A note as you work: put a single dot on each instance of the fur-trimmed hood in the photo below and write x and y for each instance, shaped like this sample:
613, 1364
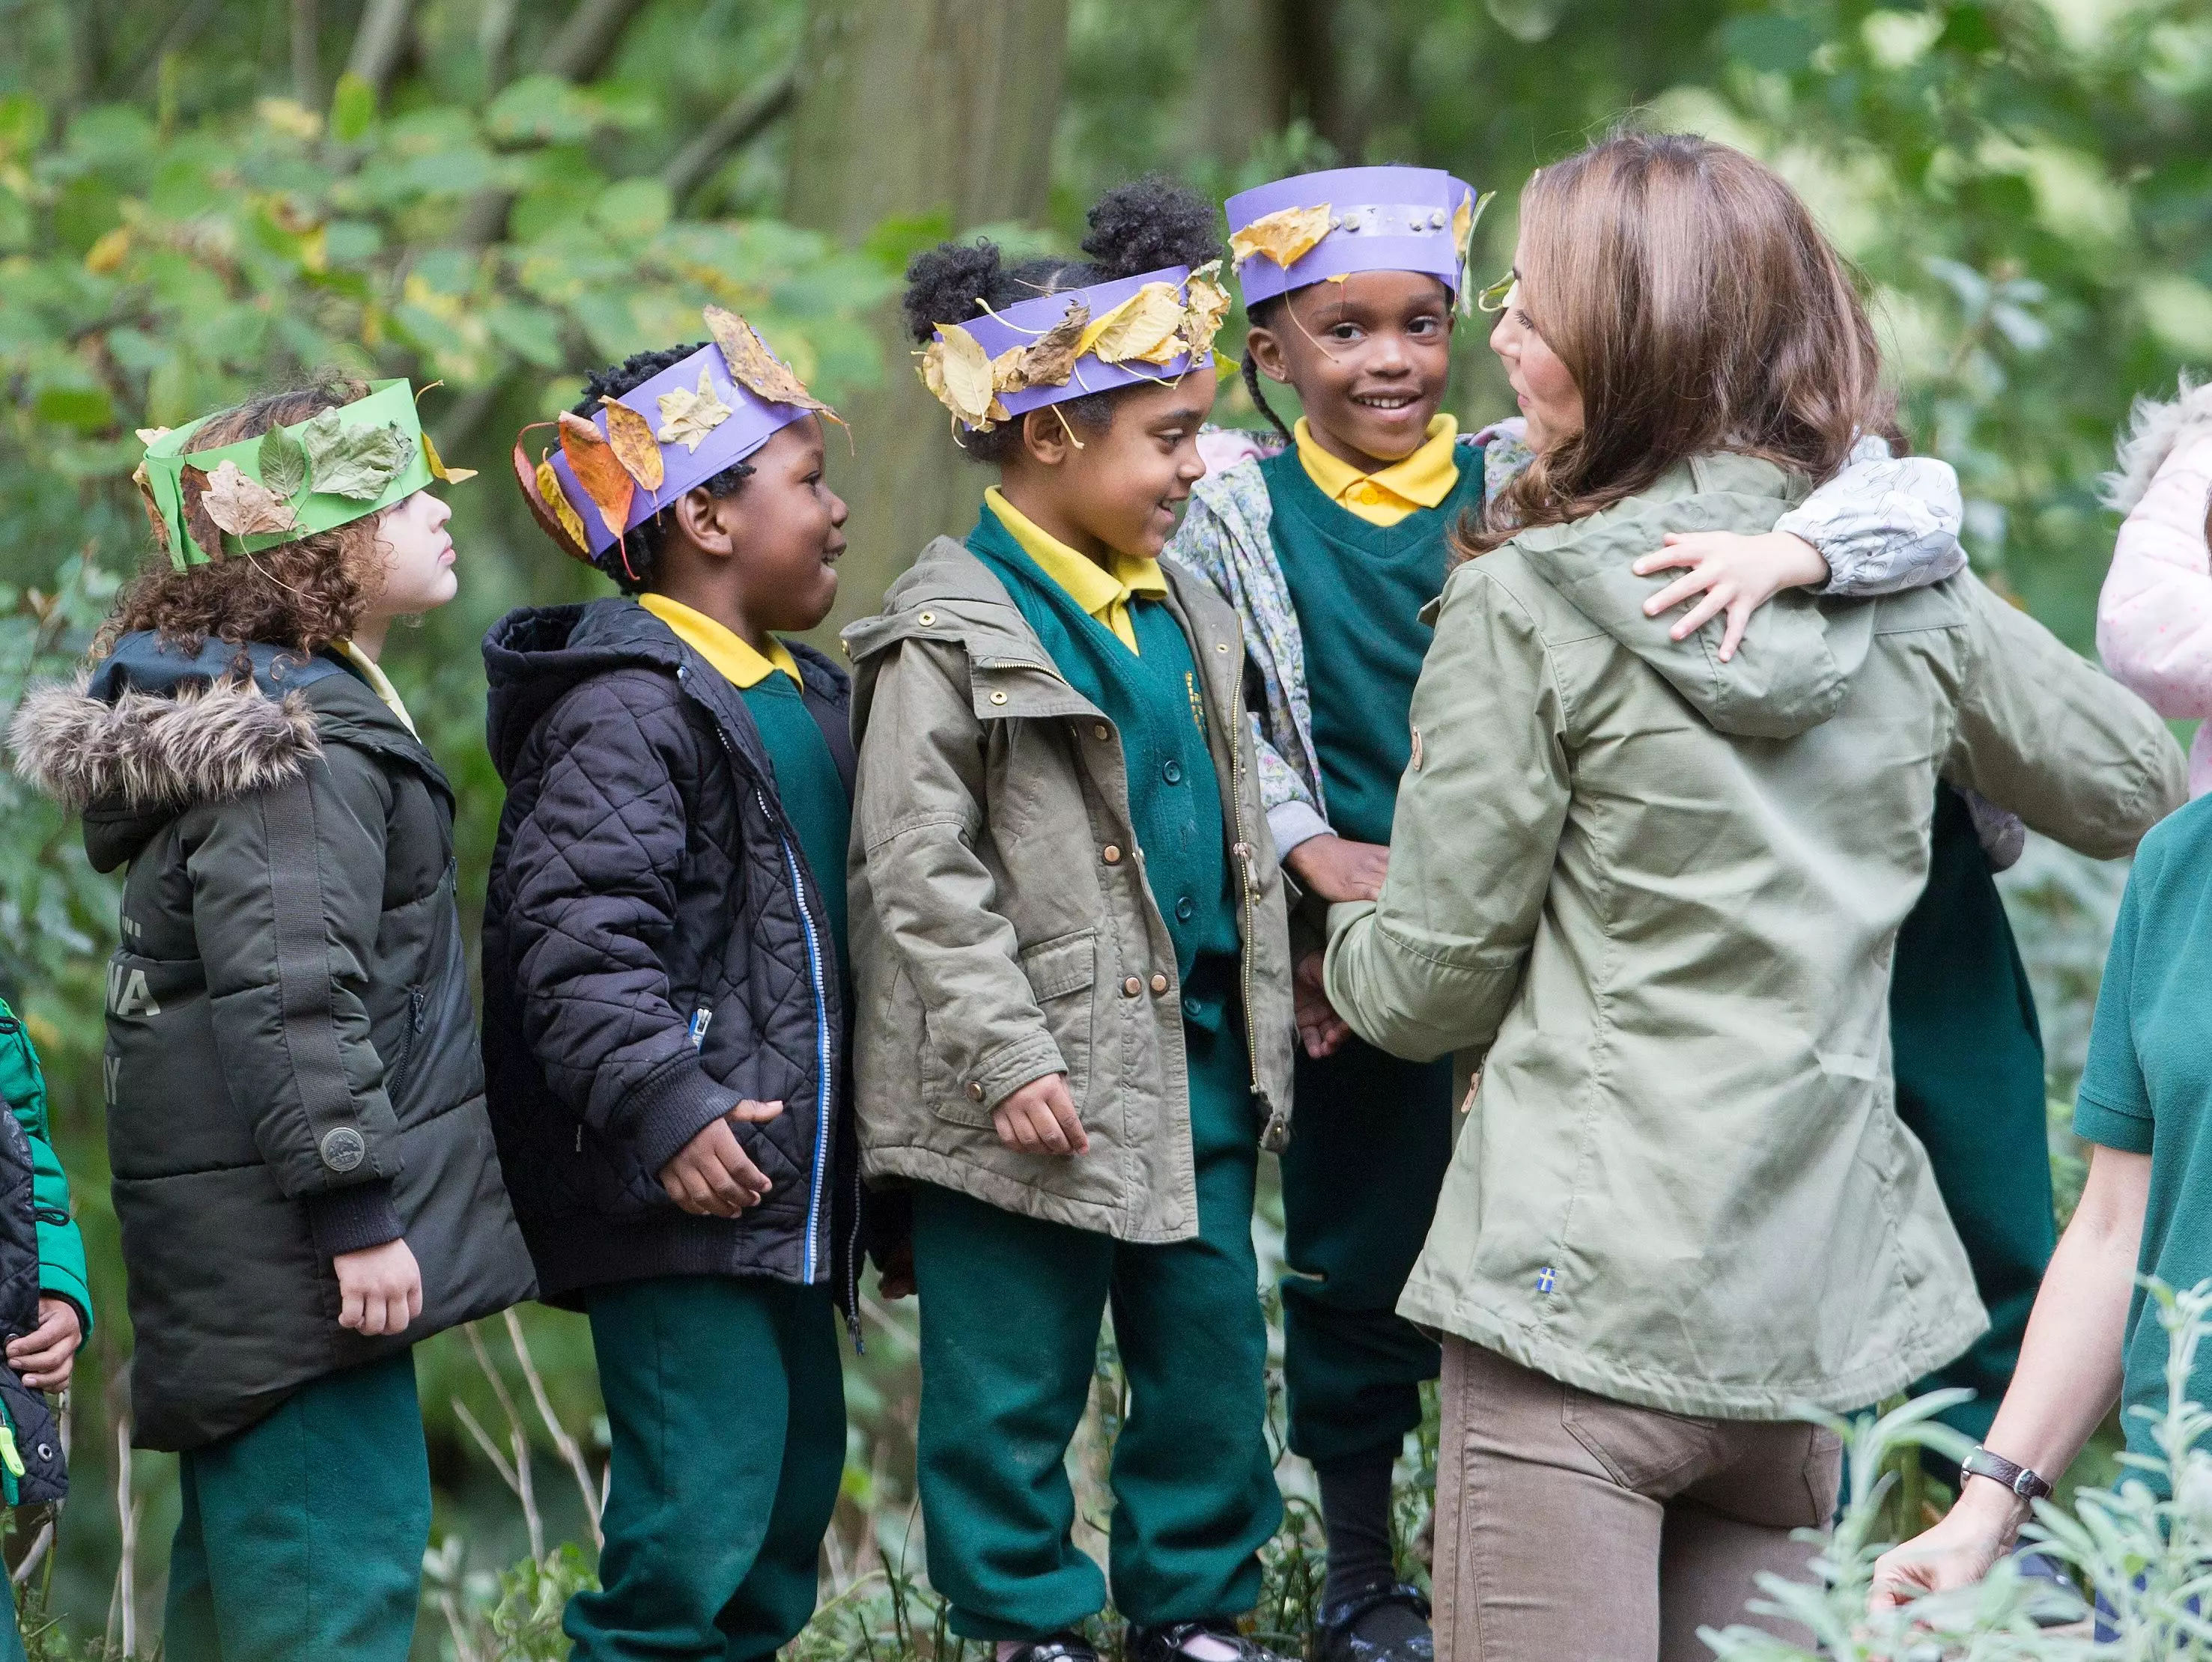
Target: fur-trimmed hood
153, 729
2154, 429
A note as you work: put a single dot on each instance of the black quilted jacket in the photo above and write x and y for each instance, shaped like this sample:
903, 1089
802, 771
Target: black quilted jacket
654, 950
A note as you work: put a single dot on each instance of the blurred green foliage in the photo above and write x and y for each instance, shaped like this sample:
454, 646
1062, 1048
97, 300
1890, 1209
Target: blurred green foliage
198, 201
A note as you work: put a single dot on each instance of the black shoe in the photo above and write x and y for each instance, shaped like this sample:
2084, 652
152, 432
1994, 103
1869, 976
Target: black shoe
1165, 1643
1382, 1624
1063, 1647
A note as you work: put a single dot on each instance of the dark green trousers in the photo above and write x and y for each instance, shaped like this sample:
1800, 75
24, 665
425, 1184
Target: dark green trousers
11, 1637
1968, 1055
1011, 1308
302, 1536
1360, 1176
727, 1405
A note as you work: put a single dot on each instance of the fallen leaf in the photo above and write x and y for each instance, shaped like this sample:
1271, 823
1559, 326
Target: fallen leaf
1465, 218
1048, 361
597, 469
147, 434
452, 476
1143, 327
959, 375
282, 461
161, 526
753, 367
541, 493
354, 460
636, 448
1208, 306
686, 418
107, 254
1285, 236
571, 522
199, 524
244, 506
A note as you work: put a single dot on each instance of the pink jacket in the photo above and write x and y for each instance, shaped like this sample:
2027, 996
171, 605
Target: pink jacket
2155, 616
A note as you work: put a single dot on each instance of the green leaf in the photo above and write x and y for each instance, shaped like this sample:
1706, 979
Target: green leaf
353, 107
282, 461
356, 461
86, 409
22, 125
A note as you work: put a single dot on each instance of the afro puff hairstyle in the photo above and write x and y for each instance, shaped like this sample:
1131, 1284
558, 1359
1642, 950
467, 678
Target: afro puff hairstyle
1143, 226
633, 561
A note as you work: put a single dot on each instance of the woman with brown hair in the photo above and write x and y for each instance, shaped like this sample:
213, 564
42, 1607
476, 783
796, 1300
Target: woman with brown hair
1664, 903
303, 1169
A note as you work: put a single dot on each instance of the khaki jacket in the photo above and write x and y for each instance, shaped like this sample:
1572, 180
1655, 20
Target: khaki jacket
1666, 904
1001, 925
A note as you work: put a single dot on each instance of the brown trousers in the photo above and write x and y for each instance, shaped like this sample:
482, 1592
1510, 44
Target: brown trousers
1574, 1528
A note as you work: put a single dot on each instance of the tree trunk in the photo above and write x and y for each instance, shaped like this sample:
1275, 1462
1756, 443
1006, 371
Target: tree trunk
1236, 112
908, 107
306, 53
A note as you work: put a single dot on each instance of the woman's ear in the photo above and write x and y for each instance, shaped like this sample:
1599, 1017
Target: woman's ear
1266, 349
699, 522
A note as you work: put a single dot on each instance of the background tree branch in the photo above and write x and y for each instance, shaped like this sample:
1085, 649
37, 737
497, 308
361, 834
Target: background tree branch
380, 41
743, 119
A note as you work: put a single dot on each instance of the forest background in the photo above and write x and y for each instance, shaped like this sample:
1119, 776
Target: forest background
203, 198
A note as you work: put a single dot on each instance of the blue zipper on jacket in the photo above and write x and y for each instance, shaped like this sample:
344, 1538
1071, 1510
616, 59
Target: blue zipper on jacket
821, 1042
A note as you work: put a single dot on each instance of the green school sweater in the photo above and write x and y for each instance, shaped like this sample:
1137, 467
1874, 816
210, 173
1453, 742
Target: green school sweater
1358, 590
808, 786
1151, 696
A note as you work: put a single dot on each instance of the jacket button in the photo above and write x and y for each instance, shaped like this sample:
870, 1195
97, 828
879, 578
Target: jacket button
926, 618
997, 698
1186, 909
1172, 772
1101, 731
1131, 987
1220, 646
343, 1148
1159, 983
1111, 854
976, 1089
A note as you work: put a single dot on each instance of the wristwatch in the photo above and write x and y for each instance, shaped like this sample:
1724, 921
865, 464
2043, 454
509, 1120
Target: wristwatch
2029, 1486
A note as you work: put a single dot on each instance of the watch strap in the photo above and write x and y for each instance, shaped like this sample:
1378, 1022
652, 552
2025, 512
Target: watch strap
2029, 1484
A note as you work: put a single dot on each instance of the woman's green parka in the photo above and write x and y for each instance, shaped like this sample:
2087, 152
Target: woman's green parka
1002, 928
1666, 903
292, 1068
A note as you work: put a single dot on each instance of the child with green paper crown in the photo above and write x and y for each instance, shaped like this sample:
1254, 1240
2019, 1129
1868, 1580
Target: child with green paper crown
45, 1303
303, 1169
664, 980
1073, 1011
1329, 544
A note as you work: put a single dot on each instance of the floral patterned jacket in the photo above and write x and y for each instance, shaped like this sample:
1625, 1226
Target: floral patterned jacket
1883, 523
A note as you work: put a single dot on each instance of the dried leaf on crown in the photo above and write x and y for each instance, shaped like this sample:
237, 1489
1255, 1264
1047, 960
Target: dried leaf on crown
1285, 236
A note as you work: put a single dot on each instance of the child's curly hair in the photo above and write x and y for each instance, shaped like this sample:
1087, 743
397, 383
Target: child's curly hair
303, 595
1143, 226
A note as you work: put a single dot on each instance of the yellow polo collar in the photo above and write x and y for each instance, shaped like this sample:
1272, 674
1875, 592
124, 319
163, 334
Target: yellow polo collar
1105, 595
1388, 495
379, 682
730, 653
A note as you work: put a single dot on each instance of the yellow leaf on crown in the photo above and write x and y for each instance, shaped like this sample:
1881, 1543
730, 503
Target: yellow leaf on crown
1285, 236
686, 418
754, 368
1142, 328
1208, 305
636, 448
959, 374
556, 499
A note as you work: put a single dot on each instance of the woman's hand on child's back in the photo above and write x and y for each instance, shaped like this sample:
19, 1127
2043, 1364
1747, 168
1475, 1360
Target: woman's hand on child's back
44, 1358
1736, 574
711, 1175
379, 1288
1338, 869
1041, 1119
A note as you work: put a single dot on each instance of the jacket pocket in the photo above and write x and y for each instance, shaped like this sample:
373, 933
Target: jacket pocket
1063, 975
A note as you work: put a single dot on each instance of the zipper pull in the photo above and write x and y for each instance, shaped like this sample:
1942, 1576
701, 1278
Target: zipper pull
580, 1138
700, 1018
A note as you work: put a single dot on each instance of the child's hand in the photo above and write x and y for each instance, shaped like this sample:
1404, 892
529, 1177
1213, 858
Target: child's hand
379, 1288
895, 1272
1338, 869
1041, 1119
711, 1176
1320, 1028
45, 1357
1737, 573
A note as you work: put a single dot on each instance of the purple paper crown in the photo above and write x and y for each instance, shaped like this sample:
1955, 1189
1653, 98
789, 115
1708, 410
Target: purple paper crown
1379, 219
751, 423
1021, 324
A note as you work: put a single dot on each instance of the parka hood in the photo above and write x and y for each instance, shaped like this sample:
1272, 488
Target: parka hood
2154, 428
1793, 666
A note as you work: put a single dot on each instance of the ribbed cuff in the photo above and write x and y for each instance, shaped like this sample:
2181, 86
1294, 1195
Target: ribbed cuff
679, 1104
354, 1218
1293, 823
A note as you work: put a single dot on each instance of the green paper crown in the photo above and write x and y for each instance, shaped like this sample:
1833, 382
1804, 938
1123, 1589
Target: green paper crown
289, 483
